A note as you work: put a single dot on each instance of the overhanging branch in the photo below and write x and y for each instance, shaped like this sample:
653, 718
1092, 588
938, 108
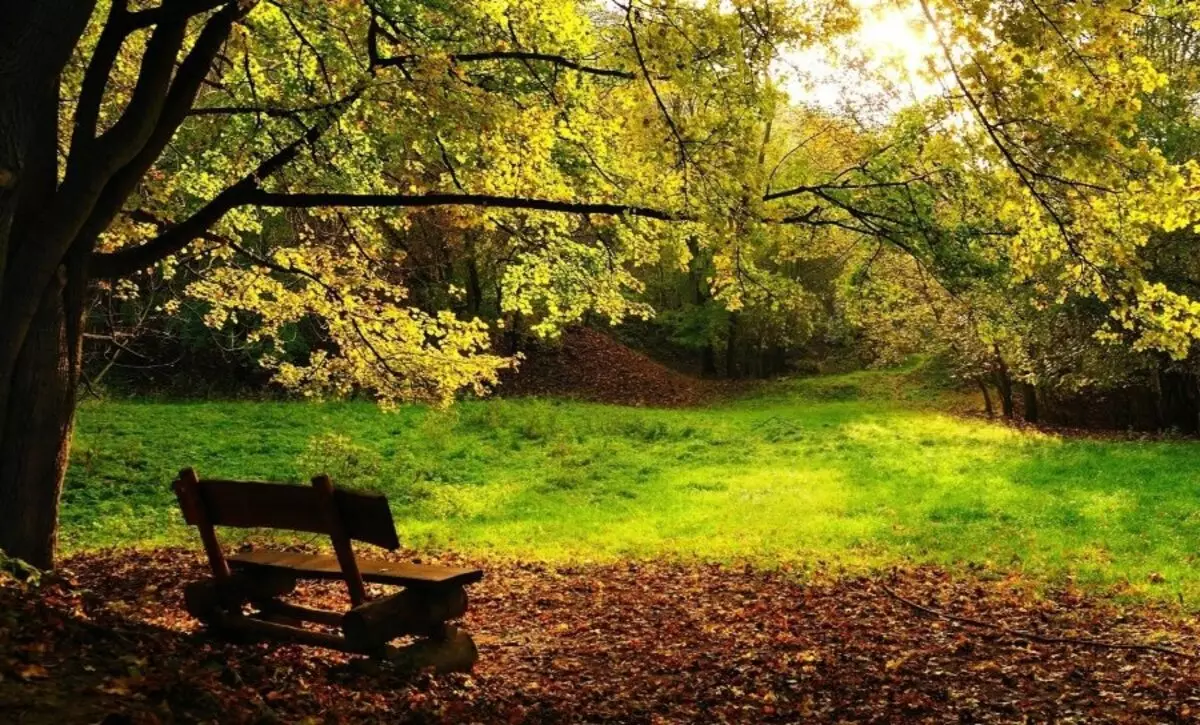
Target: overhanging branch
551, 58
317, 199
403, 61
180, 98
846, 186
171, 9
174, 239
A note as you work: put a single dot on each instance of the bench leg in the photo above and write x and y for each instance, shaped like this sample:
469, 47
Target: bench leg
206, 598
450, 650
200, 599
442, 647
253, 628
411, 612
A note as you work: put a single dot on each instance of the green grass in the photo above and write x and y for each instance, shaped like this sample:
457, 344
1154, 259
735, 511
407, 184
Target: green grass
855, 470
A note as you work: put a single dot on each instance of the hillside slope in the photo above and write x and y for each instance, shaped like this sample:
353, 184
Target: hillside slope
588, 365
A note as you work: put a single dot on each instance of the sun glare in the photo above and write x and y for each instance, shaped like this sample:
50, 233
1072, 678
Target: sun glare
883, 63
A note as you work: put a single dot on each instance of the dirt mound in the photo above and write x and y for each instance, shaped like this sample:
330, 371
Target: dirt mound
588, 365
623, 643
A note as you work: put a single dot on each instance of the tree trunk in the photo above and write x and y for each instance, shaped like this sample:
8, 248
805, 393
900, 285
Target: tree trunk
1003, 384
513, 332
474, 288
1030, 401
36, 435
1160, 407
1004, 389
731, 367
1196, 387
987, 398
700, 298
708, 361
41, 284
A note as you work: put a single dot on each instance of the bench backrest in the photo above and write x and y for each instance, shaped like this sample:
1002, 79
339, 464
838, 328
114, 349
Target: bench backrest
321, 509
253, 504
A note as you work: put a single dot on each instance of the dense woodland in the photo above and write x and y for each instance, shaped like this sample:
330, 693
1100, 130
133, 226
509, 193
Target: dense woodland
394, 199
913, 239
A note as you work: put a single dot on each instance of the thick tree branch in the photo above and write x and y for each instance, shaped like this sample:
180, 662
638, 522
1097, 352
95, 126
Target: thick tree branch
270, 111
662, 107
825, 188
313, 200
118, 26
246, 193
171, 10
95, 79
404, 61
179, 101
543, 57
128, 261
120, 143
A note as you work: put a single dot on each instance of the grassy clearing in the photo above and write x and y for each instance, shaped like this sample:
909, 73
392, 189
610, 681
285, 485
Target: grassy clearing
854, 470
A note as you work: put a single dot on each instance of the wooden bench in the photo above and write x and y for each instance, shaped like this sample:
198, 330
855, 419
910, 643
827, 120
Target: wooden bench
431, 598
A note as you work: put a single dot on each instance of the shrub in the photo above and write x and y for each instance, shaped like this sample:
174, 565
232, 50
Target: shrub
346, 462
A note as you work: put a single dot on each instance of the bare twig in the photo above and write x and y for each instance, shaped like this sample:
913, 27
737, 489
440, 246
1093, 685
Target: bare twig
1034, 636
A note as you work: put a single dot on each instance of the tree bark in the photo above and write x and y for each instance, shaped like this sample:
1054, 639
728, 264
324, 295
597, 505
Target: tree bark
1160, 406
708, 361
1003, 384
700, 298
474, 288
1030, 401
987, 398
49, 220
731, 366
1196, 388
40, 325
1004, 387
37, 421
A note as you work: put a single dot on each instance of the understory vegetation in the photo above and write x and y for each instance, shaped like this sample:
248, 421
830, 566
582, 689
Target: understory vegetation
857, 471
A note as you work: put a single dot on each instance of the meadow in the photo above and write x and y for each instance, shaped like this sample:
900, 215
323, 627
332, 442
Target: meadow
853, 472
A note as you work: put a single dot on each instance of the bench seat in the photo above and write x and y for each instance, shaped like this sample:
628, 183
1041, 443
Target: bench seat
432, 596
317, 566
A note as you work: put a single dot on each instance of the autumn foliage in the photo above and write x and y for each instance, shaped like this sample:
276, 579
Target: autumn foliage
632, 642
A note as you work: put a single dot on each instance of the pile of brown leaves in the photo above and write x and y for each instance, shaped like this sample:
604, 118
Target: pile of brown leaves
644, 642
589, 365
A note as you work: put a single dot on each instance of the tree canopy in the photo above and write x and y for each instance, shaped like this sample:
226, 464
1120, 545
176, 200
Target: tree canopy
368, 192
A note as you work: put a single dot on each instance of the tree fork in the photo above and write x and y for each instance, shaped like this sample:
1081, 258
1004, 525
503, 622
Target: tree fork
45, 243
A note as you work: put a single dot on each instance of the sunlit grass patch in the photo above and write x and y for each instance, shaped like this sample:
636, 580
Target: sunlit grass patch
856, 480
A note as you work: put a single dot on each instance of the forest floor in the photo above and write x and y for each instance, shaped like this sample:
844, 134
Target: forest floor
106, 641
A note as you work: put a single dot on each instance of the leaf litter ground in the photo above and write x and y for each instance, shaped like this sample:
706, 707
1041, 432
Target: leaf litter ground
107, 640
